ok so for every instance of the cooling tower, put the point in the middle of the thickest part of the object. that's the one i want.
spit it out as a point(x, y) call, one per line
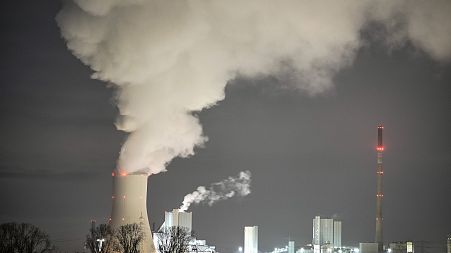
point(129, 205)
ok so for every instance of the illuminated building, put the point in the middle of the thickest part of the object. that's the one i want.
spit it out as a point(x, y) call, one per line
point(251, 239)
point(326, 234)
point(291, 247)
point(178, 219)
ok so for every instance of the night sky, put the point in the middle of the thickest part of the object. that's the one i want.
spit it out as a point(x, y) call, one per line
point(309, 155)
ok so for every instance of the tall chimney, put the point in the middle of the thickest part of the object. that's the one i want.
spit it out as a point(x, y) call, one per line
point(379, 190)
point(129, 205)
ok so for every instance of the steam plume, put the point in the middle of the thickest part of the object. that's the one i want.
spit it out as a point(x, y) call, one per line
point(170, 59)
point(232, 186)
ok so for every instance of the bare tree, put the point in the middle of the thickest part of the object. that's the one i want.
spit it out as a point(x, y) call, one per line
point(129, 238)
point(174, 240)
point(102, 235)
point(23, 238)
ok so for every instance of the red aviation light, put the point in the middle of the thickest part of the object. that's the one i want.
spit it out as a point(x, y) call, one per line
point(122, 172)
point(380, 148)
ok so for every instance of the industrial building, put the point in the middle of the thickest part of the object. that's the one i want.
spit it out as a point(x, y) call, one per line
point(337, 234)
point(291, 247)
point(177, 218)
point(326, 234)
point(401, 247)
point(251, 239)
point(306, 249)
point(368, 247)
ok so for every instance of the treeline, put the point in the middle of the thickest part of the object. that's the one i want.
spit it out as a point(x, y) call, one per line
point(23, 238)
point(125, 239)
point(27, 238)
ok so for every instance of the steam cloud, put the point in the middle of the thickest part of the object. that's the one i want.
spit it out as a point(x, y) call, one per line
point(170, 59)
point(232, 186)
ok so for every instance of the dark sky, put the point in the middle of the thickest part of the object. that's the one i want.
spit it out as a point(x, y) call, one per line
point(308, 155)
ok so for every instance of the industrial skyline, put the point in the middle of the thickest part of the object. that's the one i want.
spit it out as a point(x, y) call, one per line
point(310, 154)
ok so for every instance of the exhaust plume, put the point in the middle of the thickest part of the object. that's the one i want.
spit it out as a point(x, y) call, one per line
point(227, 188)
point(170, 59)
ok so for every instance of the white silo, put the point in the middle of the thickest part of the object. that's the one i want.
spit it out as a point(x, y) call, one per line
point(129, 205)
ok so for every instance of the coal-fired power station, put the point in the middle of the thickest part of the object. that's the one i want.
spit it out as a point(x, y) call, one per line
point(379, 190)
point(130, 205)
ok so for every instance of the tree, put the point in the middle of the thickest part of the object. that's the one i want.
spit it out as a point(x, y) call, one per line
point(23, 238)
point(103, 234)
point(129, 238)
point(174, 240)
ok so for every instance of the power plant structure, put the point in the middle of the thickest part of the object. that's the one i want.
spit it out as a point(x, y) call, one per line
point(130, 205)
point(326, 234)
point(178, 218)
point(251, 239)
point(181, 219)
point(379, 191)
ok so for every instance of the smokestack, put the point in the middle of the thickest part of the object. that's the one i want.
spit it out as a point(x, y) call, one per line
point(379, 190)
point(129, 205)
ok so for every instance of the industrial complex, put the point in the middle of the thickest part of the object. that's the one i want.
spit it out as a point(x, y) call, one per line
point(129, 206)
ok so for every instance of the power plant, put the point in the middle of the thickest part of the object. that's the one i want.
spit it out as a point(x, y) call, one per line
point(130, 205)
point(251, 239)
point(326, 234)
point(181, 219)
point(379, 191)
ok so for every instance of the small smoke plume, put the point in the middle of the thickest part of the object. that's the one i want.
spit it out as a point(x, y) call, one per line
point(169, 59)
point(230, 187)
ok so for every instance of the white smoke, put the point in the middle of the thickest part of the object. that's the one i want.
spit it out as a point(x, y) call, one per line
point(170, 59)
point(227, 188)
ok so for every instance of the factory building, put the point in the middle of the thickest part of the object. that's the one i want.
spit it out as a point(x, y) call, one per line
point(306, 249)
point(401, 247)
point(337, 234)
point(326, 234)
point(251, 239)
point(369, 247)
point(291, 247)
point(178, 218)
